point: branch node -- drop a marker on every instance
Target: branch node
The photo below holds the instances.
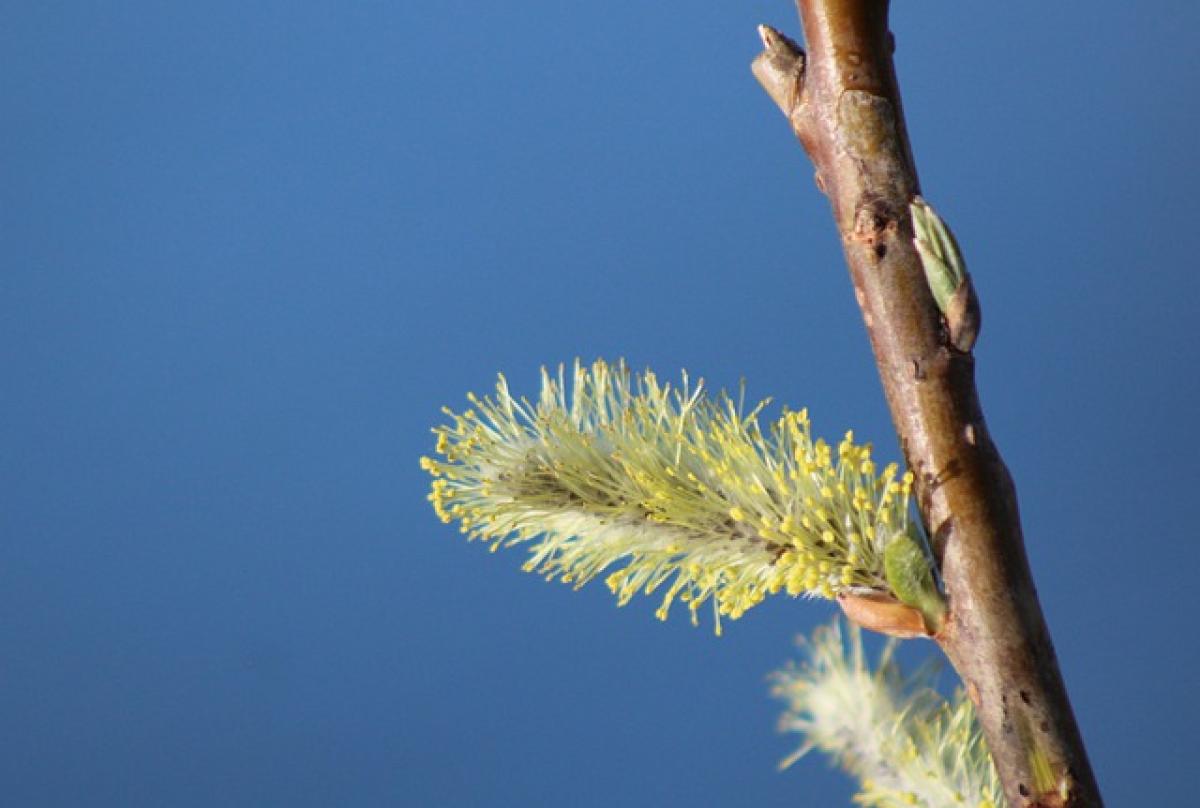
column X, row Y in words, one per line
column 780, row 69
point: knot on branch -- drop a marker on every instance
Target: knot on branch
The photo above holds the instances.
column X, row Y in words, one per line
column 874, row 218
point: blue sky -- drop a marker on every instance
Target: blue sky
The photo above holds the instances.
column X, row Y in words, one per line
column 249, row 250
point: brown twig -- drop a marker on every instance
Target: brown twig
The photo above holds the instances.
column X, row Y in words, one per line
column 843, row 103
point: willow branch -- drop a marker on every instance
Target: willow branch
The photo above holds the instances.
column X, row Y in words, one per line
column 843, row 103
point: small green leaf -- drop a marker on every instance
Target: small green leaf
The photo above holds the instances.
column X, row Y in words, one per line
column 909, row 573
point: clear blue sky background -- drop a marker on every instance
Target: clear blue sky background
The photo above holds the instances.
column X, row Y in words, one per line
column 250, row 249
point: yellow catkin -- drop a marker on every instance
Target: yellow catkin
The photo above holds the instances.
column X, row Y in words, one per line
column 682, row 494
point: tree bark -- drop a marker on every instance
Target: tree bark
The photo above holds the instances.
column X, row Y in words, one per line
column 843, row 103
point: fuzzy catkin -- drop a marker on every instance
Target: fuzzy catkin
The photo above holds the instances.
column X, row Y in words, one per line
column 663, row 488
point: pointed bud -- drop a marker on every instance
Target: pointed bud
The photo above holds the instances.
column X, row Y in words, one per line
column 946, row 274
